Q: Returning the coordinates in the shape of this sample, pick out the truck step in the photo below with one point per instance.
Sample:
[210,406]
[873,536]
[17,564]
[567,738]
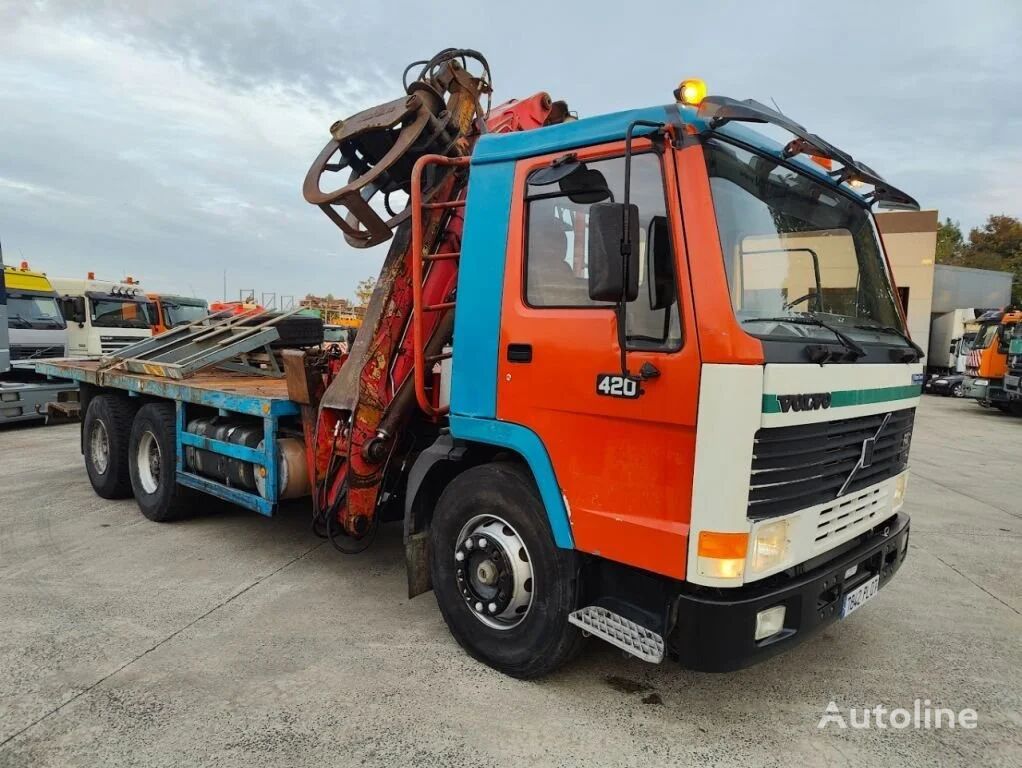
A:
[630,637]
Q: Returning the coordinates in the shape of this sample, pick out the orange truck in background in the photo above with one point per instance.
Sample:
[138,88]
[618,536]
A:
[170,311]
[988,361]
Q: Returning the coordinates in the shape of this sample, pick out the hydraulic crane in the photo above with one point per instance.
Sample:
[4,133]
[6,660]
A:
[412,147]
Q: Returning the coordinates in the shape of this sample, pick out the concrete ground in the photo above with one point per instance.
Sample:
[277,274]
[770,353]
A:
[233,640]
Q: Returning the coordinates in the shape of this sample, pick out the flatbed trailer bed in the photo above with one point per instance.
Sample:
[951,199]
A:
[229,393]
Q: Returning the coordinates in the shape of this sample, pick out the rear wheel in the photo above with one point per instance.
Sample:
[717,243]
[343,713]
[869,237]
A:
[504,588]
[105,434]
[152,464]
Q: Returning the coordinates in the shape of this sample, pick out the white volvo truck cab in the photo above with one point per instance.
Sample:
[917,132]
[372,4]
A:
[103,316]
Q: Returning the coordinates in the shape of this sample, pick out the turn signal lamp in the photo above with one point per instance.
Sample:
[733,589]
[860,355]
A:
[899,492]
[722,555]
[691,92]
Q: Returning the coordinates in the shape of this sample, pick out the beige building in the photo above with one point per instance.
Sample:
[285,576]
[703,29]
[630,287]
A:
[910,238]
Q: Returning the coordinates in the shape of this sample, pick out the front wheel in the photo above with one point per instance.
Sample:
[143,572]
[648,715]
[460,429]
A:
[152,456]
[504,588]
[959,390]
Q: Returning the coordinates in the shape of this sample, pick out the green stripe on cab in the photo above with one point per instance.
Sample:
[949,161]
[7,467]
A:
[854,397]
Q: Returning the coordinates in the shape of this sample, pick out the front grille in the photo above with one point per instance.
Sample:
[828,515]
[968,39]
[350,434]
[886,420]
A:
[807,464]
[35,351]
[109,344]
[840,520]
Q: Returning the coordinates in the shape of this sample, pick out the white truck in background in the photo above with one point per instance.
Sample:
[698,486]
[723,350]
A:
[951,337]
[31,329]
[103,316]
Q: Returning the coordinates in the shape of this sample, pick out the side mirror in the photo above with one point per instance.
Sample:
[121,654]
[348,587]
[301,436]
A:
[606,261]
[660,265]
[69,308]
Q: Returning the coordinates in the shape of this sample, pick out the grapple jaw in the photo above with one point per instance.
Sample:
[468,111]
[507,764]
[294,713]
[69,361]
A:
[379,146]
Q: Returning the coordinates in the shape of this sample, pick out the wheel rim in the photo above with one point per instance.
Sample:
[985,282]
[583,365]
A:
[494,572]
[99,445]
[147,461]
[959,391]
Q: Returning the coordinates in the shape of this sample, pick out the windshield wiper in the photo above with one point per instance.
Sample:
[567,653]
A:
[810,319]
[11,319]
[897,332]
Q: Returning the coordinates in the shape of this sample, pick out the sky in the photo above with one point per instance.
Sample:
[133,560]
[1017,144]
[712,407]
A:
[168,139]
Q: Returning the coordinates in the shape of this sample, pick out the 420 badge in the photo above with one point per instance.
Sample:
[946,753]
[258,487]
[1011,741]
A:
[616,385]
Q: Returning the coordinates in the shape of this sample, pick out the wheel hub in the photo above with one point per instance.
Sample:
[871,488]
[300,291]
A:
[148,462]
[100,447]
[494,572]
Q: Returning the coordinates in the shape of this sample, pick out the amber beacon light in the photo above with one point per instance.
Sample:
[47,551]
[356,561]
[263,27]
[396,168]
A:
[691,92]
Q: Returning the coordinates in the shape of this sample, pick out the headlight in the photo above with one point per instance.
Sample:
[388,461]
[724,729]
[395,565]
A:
[899,491]
[980,382]
[770,546]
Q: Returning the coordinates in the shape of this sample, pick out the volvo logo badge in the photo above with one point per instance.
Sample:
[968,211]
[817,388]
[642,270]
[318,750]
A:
[865,455]
[810,402]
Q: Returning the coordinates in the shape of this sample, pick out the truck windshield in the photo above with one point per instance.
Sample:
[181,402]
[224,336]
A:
[793,246]
[119,313]
[183,314]
[986,335]
[36,311]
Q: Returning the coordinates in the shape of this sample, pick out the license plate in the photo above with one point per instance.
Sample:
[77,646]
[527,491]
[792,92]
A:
[859,596]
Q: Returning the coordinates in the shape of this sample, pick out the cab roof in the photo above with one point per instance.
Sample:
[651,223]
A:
[600,129]
[26,280]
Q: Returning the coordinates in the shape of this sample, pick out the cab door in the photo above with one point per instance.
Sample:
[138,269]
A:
[622,450]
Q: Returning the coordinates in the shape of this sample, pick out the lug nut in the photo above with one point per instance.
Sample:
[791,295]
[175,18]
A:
[482,543]
[459,555]
[479,607]
[468,544]
[492,607]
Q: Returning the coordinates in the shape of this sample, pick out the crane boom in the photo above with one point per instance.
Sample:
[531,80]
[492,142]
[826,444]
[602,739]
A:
[366,406]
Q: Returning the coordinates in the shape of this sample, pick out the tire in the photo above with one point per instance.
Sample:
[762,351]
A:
[959,390]
[521,643]
[105,437]
[296,332]
[152,464]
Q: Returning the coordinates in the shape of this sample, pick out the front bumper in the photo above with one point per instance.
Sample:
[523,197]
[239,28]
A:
[714,629]
[990,391]
[1013,386]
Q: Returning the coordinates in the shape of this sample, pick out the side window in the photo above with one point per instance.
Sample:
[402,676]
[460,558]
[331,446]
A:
[556,258]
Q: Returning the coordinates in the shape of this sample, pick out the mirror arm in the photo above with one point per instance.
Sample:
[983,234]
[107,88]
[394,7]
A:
[626,237]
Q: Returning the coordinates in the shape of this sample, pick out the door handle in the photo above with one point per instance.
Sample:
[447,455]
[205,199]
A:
[519,353]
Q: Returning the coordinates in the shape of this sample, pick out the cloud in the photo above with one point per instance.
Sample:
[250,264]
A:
[170,139]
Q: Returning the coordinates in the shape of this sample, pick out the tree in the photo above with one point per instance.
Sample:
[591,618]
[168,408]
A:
[998,245]
[364,291]
[950,242]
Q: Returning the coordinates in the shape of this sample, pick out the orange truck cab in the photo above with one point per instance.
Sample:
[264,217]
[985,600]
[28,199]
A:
[987,363]
[688,336]
[170,310]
